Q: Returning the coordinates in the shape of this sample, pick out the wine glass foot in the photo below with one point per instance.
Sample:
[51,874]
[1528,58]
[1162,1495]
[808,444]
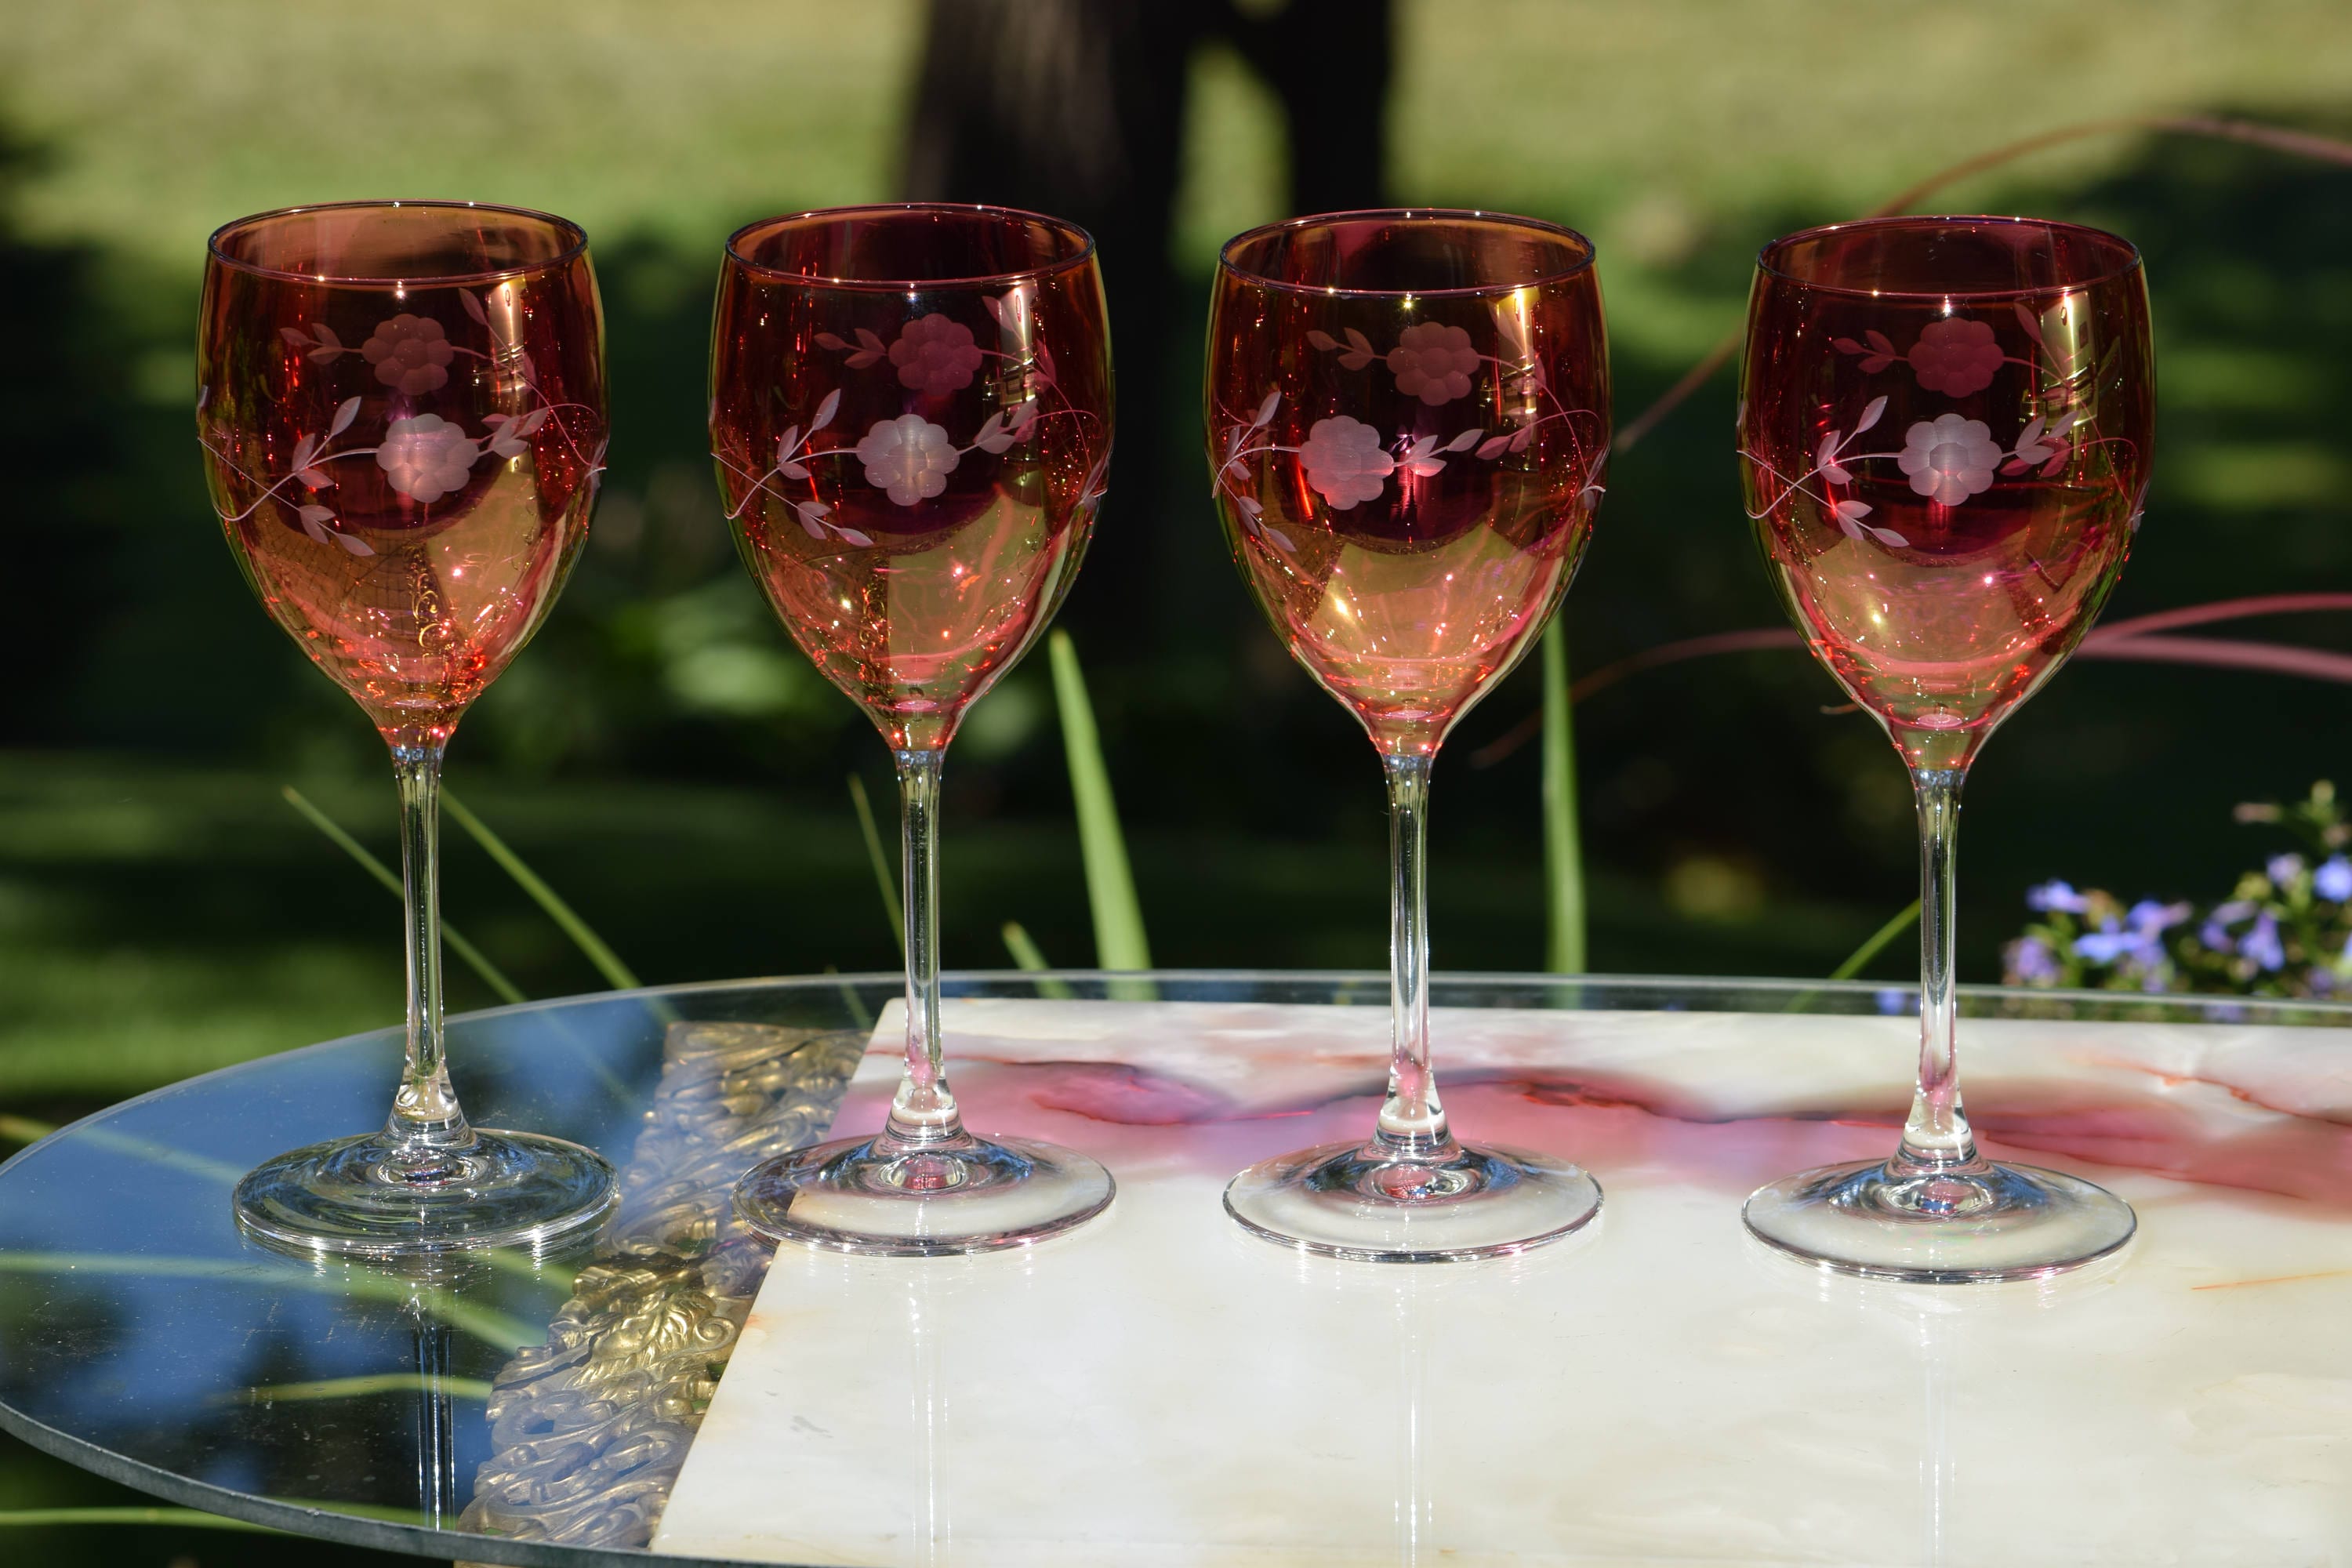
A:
[970,1195]
[1349,1200]
[360,1196]
[1985,1224]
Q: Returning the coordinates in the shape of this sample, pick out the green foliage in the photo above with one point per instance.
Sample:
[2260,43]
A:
[885,877]
[1119,941]
[608,963]
[1563,850]
[2286,929]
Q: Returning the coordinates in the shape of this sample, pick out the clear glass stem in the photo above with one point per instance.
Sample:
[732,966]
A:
[426,1125]
[1935,1137]
[923,1113]
[1412,1123]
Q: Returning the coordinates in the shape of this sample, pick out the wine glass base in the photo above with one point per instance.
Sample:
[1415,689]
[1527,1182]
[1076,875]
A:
[353,1197]
[2000,1222]
[1345,1200]
[974,1194]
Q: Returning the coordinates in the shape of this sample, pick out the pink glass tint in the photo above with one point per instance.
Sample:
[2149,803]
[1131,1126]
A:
[910,409]
[1946,425]
[1407,422]
[403,414]
[404,409]
[1408,416]
[911,413]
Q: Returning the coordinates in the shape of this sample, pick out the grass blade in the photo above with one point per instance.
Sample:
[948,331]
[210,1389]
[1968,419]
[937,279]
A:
[884,876]
[849,998]
[1563,850]
[358,1387]
[178,1518]
[608,963]
[472,956]
[1119,941]
[24,1129]
[1877,940]
[1017,942]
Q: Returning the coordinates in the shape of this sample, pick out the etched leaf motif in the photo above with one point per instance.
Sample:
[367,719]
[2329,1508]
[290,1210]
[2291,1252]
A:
[1520,442]
[1493,447]
[2031,322]
[1852,510]
[1879,340]
[869,349]
[826,409]
[1463,442]
[1321,339]
[1024,421]
[791,471]
[1280,538]
[1870,413]
[1266,411]
[1887,536]
[1837,474]
[345,412]
[294,335]
[1249,507]
[993,436]
[303,450]
[1828,448]
[1845,345]
[829,340]
[532,421]
[787,443]
[811,523]
[852,536]
[473,303]
[1360,351]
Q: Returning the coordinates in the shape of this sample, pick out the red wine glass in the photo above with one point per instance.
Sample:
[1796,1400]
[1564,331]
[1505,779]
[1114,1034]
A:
[402,416]
[1408,416]
[1946,425]
[910,409]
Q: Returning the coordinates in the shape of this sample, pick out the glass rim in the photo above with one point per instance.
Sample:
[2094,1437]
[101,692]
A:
[575,244]
[1462,291]
[1766,257]
[1083,253]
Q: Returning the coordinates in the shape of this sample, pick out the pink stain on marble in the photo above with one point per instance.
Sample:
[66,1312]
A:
[1137,1117]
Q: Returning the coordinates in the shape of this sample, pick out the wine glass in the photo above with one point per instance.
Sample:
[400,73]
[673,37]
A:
[1945,424]
[402,413]
[910,409]
[1408,414]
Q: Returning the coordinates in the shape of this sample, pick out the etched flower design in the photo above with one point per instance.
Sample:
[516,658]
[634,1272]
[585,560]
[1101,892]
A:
[411,353]
[909,458]
[1956,356]
[1433,363]
[425,457]
[934,355]
[1344,462]
[1949,459]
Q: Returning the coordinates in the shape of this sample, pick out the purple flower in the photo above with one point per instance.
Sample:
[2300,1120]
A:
[2142,939]
[2283,870]
[1893,1000]
[2263,943]
[2213,934]
[2030,959]
[2059,897]
[2333,880]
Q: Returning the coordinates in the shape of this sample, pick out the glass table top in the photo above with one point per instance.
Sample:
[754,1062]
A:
[515,1409]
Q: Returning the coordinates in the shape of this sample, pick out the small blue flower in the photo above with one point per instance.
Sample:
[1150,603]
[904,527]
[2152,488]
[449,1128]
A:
[2263,943]
[2234,910]
[2333,880]
[1893,999]
[2108,943]
[2058,897]
[2283,870]
[2029,959]
[2150,919]
[2214,936]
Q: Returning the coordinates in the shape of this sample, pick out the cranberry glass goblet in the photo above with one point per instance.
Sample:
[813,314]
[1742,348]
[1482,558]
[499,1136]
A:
[1946,425]
[1408,416]
[910,409]
[403,414]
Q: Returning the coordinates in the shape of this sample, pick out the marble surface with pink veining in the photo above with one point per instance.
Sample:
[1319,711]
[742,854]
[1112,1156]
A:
[1161,1388]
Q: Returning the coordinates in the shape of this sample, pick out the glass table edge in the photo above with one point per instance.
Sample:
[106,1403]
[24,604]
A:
[425,1541]
[2255,1008]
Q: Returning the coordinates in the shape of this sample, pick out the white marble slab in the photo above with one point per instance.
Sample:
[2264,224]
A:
[1161,1389]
